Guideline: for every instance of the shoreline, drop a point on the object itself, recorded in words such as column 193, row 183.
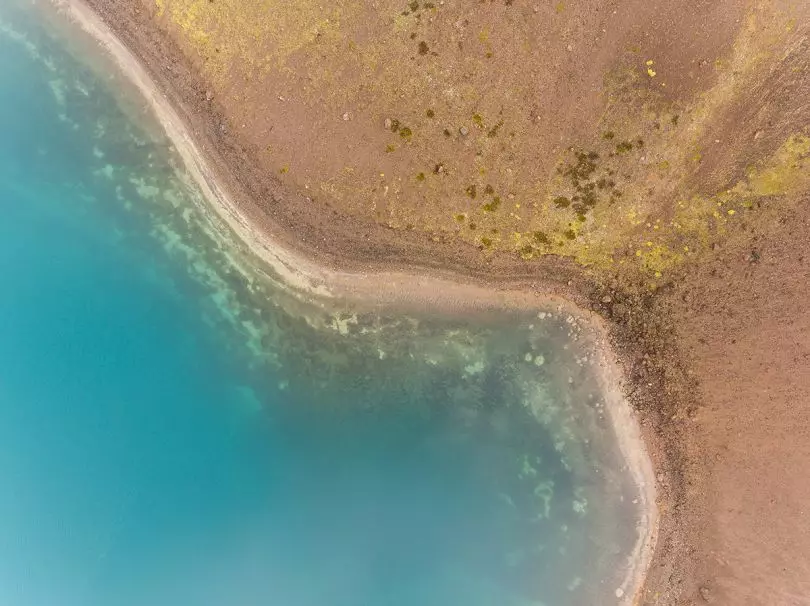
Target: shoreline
column 308, row 280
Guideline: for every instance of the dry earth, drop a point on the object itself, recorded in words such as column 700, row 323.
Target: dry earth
column 653, row 157
column 744, row 331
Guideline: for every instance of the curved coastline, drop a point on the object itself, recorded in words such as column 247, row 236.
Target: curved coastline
column 308, row 280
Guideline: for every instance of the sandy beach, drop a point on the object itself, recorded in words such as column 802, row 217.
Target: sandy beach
column 670, row 370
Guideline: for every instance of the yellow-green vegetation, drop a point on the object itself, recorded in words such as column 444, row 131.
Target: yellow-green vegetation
column 619, row 229
column 459, row 146
column 233, row 35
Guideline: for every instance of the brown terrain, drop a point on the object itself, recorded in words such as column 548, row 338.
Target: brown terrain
column 648, row 158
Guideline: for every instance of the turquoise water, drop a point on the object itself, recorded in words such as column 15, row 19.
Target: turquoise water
column 174, row 429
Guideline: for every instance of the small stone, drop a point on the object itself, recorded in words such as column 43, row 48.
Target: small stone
column 464, row 131
column 388, row 123
column 209, row 95
column 759, row 134
column 619, row 592
column 346, row 117
column 705, row 593
column 606, row 299
column 569, row 48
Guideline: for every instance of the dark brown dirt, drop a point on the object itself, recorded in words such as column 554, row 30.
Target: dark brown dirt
column 744, row 331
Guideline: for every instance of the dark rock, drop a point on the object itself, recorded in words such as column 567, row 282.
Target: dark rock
column 706, row 594
column 619, row 310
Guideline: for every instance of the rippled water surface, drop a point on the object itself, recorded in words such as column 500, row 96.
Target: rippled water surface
column 176, row 430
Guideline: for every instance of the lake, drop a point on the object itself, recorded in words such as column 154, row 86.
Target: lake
column 177, row 429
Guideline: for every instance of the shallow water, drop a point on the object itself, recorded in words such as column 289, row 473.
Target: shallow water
column 174, row 429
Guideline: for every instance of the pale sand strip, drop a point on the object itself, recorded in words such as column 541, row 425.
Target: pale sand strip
column 304, row 277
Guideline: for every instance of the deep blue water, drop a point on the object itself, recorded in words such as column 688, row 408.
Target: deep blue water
column 173, row 430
